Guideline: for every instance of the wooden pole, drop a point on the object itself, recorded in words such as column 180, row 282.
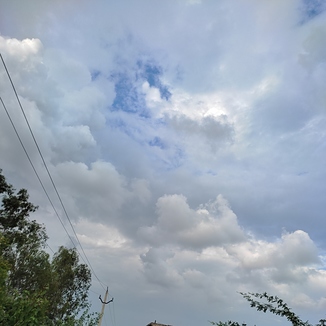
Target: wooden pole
column 103, row 306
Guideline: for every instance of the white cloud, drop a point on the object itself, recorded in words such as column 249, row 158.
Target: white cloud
column 295, row 249
column 229, row 257
column 20, row 51
column 79, row 139
column 158, row 269
column 98, row 192
column 66, row 72
column 101, row 235
column 178, row 224
column 152, row 95
column 174, row 214
column 141, row 190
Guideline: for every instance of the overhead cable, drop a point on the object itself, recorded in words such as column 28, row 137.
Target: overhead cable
column 48, row 172
column 30, row 161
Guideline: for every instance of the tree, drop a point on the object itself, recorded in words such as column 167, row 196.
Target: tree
column 265, row 302
column 24, row 240
column 34, row 289
column 69, row 286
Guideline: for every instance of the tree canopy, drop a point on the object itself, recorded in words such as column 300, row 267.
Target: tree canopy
column 36, row 289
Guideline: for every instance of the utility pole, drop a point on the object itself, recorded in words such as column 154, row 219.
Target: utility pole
column 103, row 305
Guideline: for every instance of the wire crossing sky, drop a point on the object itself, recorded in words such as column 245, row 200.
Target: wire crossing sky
column 48, row 172
column 187, row 142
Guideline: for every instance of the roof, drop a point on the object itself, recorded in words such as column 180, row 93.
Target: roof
column 157, row 324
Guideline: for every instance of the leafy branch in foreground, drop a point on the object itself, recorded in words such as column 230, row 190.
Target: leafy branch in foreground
column 265, row 302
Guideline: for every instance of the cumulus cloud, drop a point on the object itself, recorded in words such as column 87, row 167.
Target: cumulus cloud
column 207, row 250
column 177, row 223
column 260, row 254
column 102, row 235
column 63, row 117
column 69, row 74
column 101, row 184
column 158, row 269
column 20, row 51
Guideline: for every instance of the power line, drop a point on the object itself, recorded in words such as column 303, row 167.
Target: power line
column 106, row 322
column 94, row 292
column 49, row 174
column 30, row 161
column 114, row 316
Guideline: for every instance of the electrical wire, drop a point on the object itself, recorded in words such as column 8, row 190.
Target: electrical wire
column 94, row 292
column 105, row 321
column 114, row 321
column 30, row 161
column 111, row 315
column 49, row 174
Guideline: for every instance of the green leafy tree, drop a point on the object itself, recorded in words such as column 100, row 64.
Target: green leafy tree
column 69, row 286
column 24, row 309
column 265, row 302
column 35, row 290
column 24, row 240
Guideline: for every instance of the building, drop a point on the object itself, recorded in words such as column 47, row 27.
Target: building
column 156, row 324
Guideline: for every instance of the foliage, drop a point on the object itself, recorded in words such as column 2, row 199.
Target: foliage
column 228, row 323
column 69, row 285
column 24, row 309
column 265, row 302
column 34, row 289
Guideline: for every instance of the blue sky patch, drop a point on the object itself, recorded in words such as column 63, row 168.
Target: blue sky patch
column 152, row 74
column 128, row 98
column 313, row 8
column 157, row 142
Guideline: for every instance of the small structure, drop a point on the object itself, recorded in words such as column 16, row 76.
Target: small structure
column 154, row 323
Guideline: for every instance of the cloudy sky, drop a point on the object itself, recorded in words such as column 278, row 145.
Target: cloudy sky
column 187, row 140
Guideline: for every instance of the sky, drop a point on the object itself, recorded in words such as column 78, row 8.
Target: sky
column 187, row 141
